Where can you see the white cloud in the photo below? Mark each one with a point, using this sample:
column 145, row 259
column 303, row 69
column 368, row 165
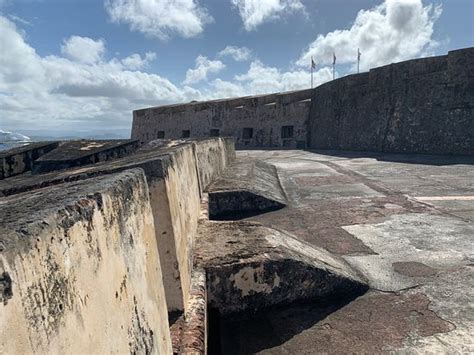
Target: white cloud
column 222, row 89
column 83, row 49
column 160, row 18
column 83, row 87
column 203, row 67
column 262, row 79
column 19, row 62
column 394, row 31
column 135, row 61
column 256, row 12
column 239, row 54
column 55, row 92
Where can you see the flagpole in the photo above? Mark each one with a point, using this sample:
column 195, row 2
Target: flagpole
column 333, row 65
column 312, row 72
column 358, row 60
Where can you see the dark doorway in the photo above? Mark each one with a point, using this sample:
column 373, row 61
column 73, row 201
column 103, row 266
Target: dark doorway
column 186, row 133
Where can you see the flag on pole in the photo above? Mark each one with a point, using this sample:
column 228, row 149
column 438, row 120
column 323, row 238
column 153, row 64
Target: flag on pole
column 313, row 64
column 358, row 60
column 333, row 65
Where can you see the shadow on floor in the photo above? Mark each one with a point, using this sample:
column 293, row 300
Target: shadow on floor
column 251, row 333
column 426, row 159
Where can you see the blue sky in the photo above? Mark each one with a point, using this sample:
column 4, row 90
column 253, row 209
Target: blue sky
column 75, row 66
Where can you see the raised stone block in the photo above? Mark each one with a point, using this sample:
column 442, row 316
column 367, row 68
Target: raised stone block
column 250, row 267
column 78, row 153
column 19, row 160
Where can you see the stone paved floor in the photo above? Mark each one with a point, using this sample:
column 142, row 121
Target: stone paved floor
column 406, row 223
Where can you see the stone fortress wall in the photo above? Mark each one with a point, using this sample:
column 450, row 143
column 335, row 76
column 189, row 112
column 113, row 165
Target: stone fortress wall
column 418, row 106
column 273, row 120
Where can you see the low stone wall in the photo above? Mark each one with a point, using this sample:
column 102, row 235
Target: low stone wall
column 80, row 270
column 419, row 106
column 212, row 159
column 83, row 152
column 176, row 176
column 19, row 160
column 274, row 120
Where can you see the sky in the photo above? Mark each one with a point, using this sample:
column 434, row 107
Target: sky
column 72, row 67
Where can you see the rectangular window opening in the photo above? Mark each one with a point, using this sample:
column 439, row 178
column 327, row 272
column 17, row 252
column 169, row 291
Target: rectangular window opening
column 214, row 133
column 186, row 133
column 247, row 133
column 287, row 132
column 160, row 134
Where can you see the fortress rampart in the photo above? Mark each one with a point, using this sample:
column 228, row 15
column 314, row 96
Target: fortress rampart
column 418, row 106
column 273, row 120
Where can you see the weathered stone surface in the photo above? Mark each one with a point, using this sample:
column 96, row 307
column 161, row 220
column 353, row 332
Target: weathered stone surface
column 247, row 187
column 175, row 173
column 20, row 160
column 264, row 114
column 437, row 242
column 71, row 154
column 250, row 267
column 374, row 323
column 418, row 106
column 81, row 270
column 413, row 244
column 195, row 325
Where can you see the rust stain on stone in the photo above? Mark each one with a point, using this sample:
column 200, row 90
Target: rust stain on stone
column 413, row 269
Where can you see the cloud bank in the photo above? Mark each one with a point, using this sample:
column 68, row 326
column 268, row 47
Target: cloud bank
column 394, row 31
column 76, row 89
column 84, row 86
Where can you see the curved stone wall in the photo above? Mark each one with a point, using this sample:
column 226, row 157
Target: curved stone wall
column 418, row 106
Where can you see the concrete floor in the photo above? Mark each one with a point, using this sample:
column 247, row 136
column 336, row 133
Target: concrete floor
column 406, row 222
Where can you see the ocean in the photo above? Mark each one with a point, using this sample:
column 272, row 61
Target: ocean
column 10, row 145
